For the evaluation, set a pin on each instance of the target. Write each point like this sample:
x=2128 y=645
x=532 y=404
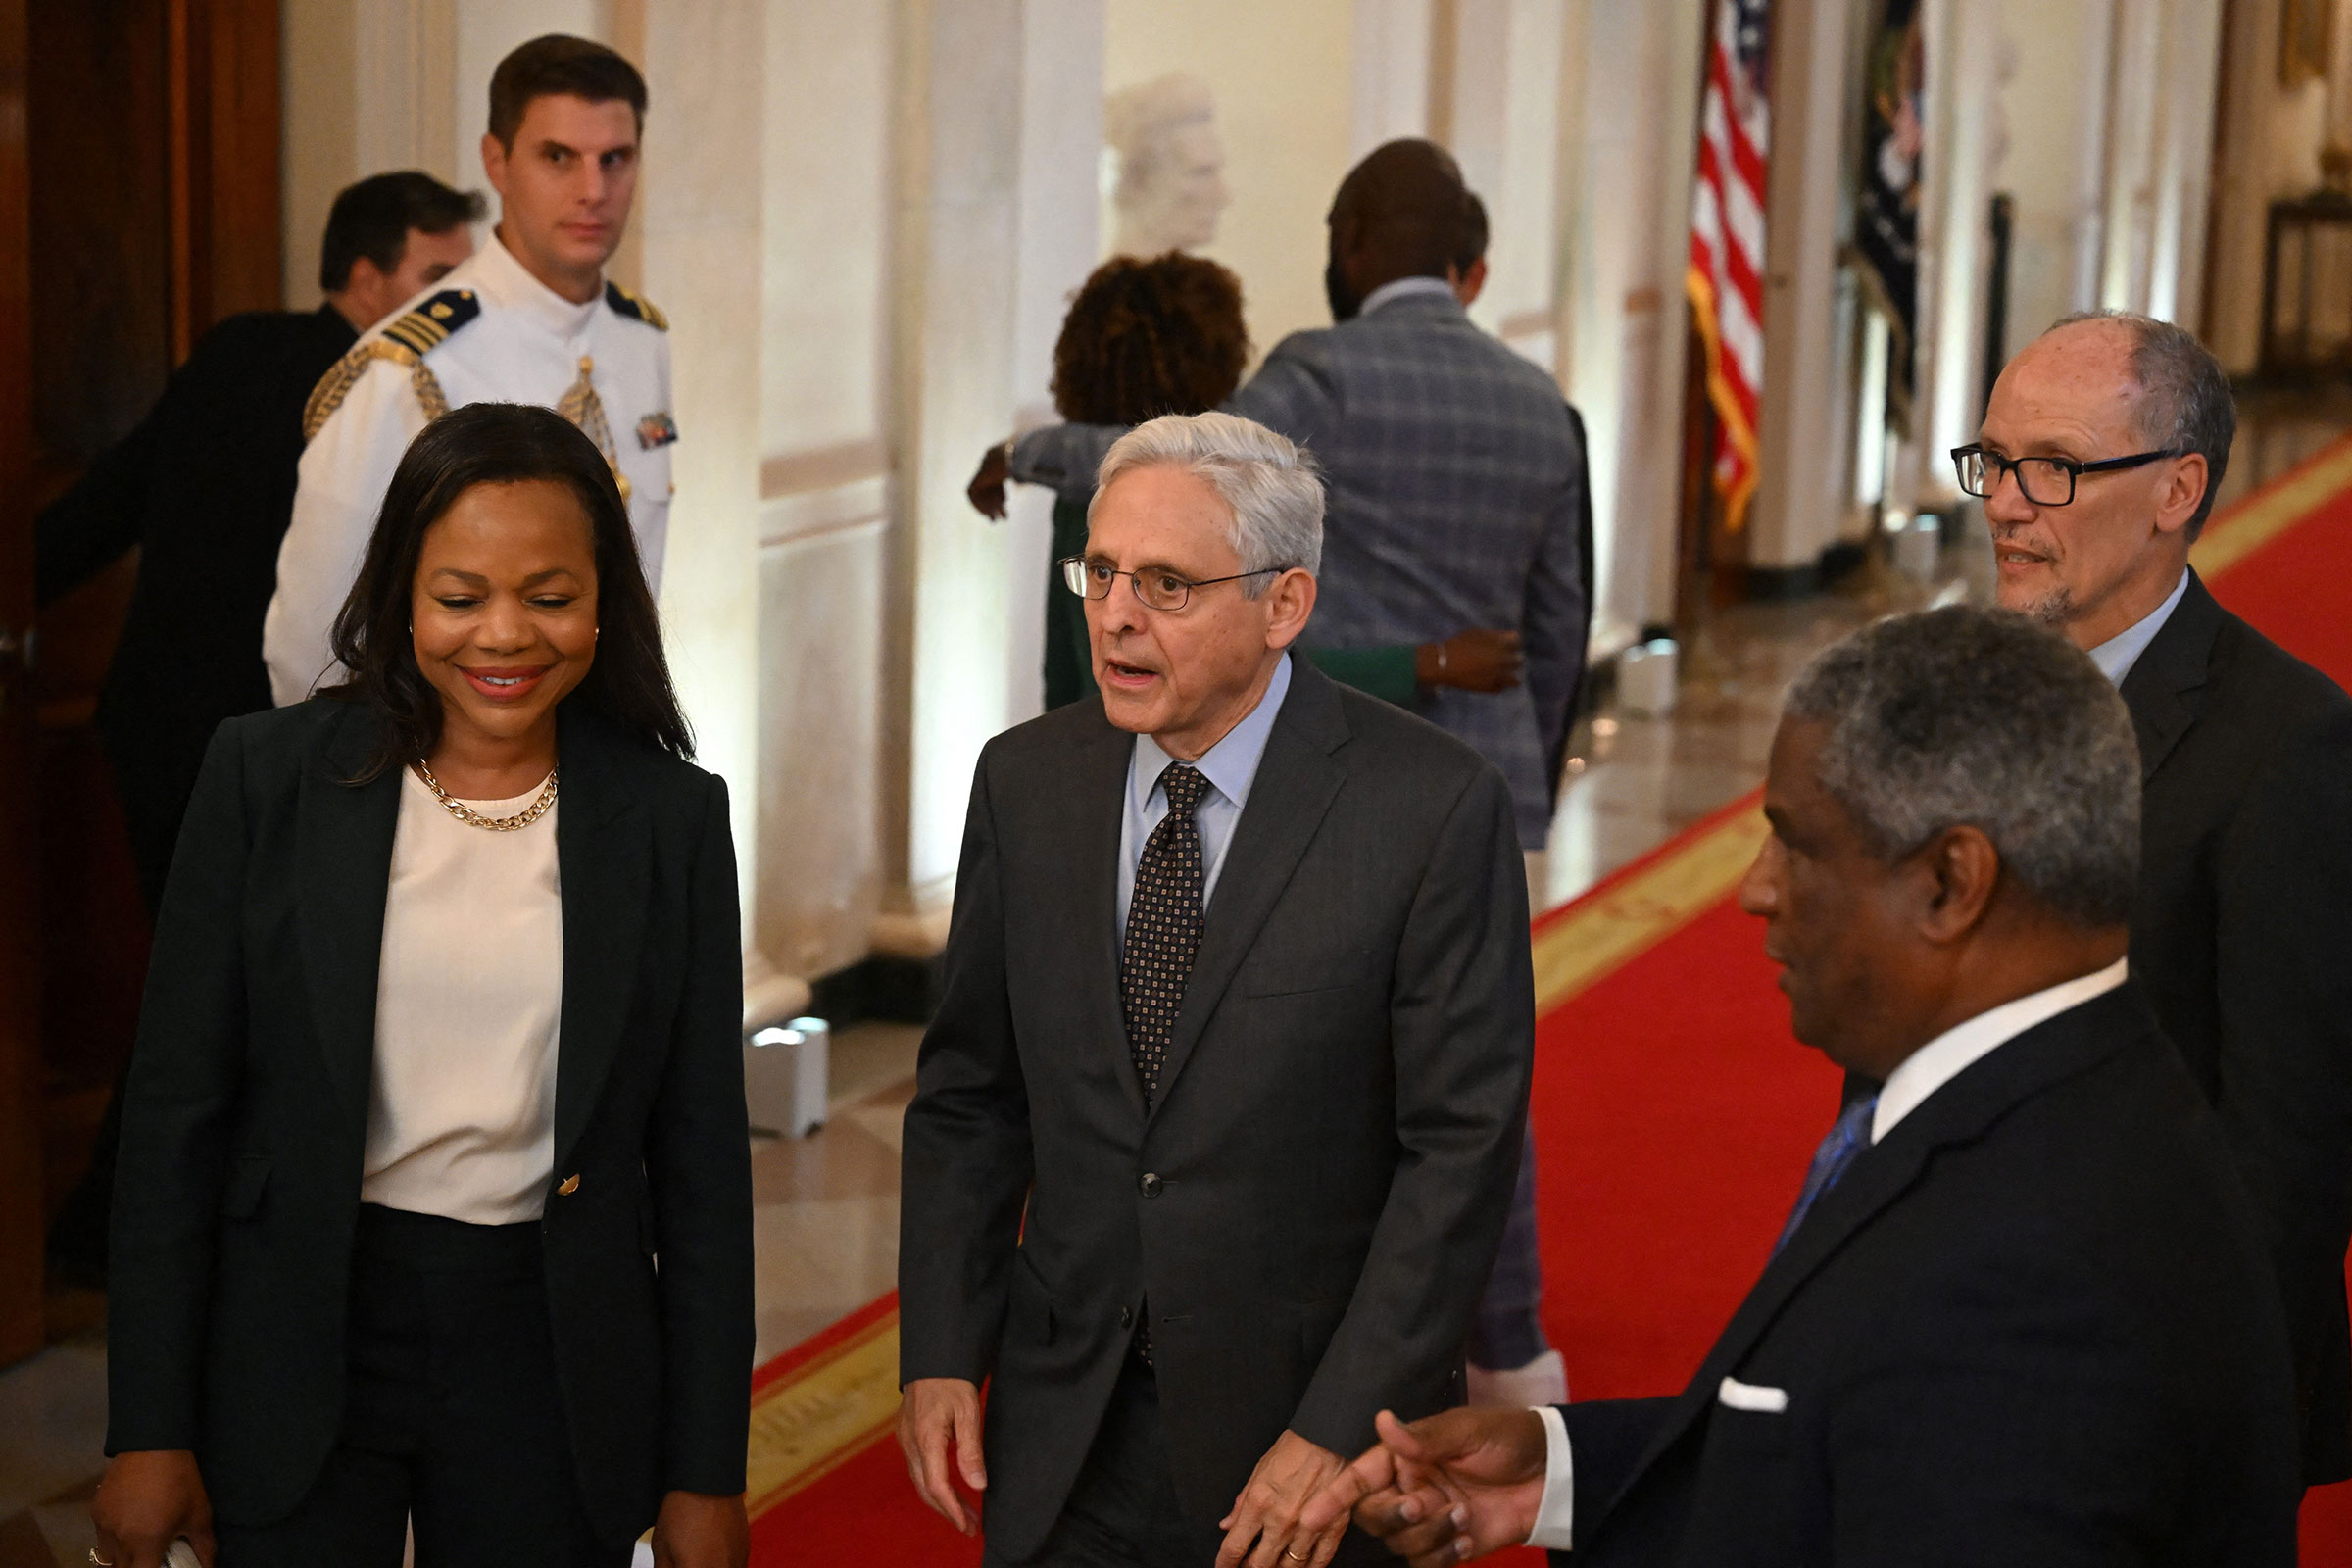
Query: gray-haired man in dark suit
x=1215 y=1131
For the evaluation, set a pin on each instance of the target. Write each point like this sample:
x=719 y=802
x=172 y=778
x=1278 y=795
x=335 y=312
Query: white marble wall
x=1282 y=77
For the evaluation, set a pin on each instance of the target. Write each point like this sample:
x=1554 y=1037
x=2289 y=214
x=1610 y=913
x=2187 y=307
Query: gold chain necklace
x=467 y=814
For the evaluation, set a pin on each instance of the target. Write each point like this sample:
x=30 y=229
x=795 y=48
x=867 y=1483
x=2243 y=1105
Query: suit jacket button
x=1126 y=1317
x=571 y=1185
x=1150 y=1184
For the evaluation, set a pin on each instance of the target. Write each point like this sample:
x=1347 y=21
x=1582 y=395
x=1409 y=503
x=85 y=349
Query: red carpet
x=1674 y=1116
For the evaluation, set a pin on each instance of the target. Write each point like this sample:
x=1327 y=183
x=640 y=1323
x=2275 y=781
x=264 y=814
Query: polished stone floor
x=827 y=1212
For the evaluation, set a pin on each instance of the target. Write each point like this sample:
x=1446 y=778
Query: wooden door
x=21 y=1206
x=138 y=206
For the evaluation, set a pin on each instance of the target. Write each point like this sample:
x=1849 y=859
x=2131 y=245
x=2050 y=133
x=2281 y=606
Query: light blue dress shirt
x=1230 y=766
x=2117 y=654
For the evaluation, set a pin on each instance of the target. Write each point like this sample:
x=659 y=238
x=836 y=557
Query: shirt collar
x=1230 y=765
x=1959 y=1048
x=510 y=286
x=1403 y=288
x=2117 y=654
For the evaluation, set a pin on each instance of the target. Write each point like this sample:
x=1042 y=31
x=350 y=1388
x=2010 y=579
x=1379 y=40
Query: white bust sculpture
x=1170 y=181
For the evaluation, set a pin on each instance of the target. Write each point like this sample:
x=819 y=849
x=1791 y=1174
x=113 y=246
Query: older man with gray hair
x=2098 y=461
x=1215 y=1128
x=2018 y=1313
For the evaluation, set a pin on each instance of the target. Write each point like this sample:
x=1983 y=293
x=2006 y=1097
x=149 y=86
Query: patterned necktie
x=1848 y=1139
x=582 y=407
x=1163 y=927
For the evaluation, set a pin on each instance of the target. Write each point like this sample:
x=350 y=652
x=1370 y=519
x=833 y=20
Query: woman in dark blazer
x=435 y=1201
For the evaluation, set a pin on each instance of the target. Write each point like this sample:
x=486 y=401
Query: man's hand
x=937 y=1415
x=1267 y=1511
x=148 y=1501
x=987 y=489
x=1475 y=661
x=1443 y=1491
x=696 y=1530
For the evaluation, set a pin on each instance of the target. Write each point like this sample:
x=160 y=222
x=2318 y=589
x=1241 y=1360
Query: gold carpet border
x=1616 y=926
x=807 y=1424
x=2268 y=514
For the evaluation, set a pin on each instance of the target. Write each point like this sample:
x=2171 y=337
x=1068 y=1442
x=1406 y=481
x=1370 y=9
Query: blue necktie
x=1848 y=1139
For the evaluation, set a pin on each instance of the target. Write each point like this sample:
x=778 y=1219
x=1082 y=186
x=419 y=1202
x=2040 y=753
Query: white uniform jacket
x=500 y=336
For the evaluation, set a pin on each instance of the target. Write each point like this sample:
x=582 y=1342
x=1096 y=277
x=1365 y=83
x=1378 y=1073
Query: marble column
x=1504 y=106
x=2053 y=108
x=698 y=222
x=1629 y=111
x=1802 y=465
x=825 y=479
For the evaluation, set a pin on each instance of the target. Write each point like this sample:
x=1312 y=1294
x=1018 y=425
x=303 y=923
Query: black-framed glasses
x=2044 y=482
x=1158 y=587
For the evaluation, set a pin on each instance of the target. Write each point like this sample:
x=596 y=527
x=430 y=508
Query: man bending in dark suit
x=2098 y=462
x=1215 y=1130
x=2018 y=1313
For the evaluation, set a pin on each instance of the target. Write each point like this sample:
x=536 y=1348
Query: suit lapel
x=343 y=849
x=1958 y=1112
x=1089 y=925
x=603 y=857
x=2163 y=689
x=1297 y=781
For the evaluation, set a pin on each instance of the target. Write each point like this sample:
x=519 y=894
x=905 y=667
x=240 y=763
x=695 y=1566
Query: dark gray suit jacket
x=1458 y=483
x=1312 y=1204
x=2031 y=1326
x=2243 y=938
x=245 y=1120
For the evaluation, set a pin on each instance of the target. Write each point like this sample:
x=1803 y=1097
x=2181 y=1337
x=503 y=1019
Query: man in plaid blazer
x=1454 y=469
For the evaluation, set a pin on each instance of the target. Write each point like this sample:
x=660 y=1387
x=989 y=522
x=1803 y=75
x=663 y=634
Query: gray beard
x=2053 y=609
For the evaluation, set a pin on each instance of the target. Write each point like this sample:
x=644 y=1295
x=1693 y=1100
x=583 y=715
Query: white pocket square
x=1738 y=1396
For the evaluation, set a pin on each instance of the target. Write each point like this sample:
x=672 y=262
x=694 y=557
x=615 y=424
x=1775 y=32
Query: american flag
x=1725 y=278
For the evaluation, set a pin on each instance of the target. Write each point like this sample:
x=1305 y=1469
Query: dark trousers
x=451 y=1418
x=1123 y=1512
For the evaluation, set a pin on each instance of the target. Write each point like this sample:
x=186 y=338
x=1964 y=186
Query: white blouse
x=468 y=1005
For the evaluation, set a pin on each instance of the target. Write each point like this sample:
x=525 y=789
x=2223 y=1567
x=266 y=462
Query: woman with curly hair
x=1142 y=338
x=1165 y=335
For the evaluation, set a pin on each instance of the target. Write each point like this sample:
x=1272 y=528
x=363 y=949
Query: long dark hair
x=1145 y=338
x=498 y=443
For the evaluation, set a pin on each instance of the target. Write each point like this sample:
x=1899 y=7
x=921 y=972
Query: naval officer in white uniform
x=530 y=319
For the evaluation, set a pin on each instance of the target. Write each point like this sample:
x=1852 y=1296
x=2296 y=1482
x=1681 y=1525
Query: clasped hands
x=1456 y=1486
x=939 y=1432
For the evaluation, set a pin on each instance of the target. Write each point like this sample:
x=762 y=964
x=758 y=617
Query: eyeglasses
x=1158 y=587
x=2044 y=482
